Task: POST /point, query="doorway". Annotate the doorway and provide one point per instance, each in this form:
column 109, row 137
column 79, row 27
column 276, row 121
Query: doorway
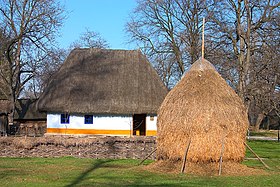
column 139, row 124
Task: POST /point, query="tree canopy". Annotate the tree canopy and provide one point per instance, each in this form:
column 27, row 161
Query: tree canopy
column 241, row 39
column 29, row 28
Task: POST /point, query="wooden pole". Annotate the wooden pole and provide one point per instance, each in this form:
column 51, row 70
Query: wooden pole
column 147, row 156
column 278, row 114
column 221, row 157
column 202, row 47
column 185, row 157
column 256, row 155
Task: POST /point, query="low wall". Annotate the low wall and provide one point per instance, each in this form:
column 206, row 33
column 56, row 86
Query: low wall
column 83, row 147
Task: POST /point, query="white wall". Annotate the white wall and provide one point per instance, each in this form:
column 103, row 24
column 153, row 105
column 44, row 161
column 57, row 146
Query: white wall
column 151, row 124
column 117, row 125
column 99, row 122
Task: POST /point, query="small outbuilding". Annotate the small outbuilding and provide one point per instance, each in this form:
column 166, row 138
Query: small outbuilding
column 103, row 92
column 204, row 110
column 27, row 118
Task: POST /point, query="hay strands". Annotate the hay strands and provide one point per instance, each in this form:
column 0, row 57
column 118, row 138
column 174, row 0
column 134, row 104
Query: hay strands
column 256, row 155
column 185, row 156
column 221, row 157
column 147, row 156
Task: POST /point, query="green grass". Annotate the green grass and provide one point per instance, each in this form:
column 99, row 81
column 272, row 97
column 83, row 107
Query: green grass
column 265, row 133
column 69, row 171
column 268, row 150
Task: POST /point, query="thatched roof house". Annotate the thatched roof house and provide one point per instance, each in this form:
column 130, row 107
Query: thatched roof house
column 104, row 82
column 202, row 108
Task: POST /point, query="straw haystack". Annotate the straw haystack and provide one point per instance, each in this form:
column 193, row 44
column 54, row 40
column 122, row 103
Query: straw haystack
column 202, row 108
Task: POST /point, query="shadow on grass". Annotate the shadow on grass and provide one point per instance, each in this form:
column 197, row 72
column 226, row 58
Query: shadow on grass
column 96, row 165
column 130, row 179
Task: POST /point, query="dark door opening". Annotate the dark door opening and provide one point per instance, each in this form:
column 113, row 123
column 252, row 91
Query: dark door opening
column 139, row 124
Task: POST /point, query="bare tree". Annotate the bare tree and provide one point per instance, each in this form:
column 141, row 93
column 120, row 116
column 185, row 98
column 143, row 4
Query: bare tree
column 90, row 39
column 168, row 29
column 4, row 93
column 239, row 31
column 242, row 40
column 264, row 88
column 54, row 58
column 243, row 43
column 43, row 71
column 30, row 26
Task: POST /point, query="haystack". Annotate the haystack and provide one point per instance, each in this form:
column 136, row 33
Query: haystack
column 203, row 109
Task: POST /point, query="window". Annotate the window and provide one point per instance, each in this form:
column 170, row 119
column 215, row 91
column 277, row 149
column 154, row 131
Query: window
column 88, row 119
column 64, row 119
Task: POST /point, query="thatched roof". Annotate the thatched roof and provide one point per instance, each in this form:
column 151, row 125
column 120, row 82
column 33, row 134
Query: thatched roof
column 105, row 82
column 204, row 109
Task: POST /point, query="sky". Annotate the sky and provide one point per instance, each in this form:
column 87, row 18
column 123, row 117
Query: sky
column 107, row 17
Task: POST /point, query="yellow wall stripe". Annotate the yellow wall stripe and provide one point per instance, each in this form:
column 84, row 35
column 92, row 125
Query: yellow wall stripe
column 95, row 131
column 151, row 133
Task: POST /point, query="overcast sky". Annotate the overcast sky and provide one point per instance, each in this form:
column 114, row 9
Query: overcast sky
column 107, row 17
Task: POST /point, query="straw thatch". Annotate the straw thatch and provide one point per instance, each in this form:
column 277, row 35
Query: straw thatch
column 204, row 109
column 103, row 81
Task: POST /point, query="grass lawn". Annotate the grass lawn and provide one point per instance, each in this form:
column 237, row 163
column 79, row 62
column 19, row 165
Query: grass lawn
column 265, row 133
column 69, row 171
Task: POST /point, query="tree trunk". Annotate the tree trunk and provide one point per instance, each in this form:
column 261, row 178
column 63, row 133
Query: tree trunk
column 259, row 121
column 268, row 123
column 14, row 82
column 248, row 52
column 11, row 113
column 241, row 56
